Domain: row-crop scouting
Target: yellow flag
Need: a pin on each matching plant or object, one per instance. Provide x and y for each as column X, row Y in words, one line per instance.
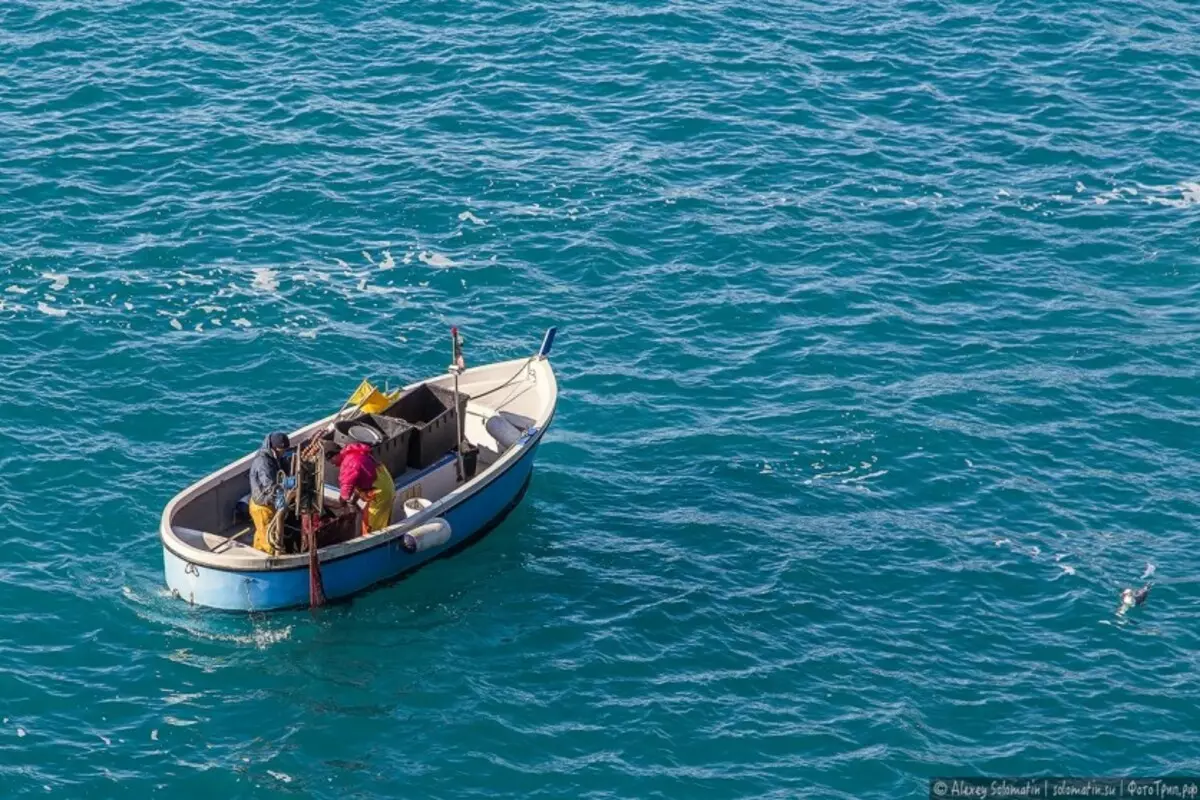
column 364, row 390
column 371, row 399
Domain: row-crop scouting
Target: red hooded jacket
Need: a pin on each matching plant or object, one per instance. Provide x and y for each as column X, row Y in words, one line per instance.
column 356, row 469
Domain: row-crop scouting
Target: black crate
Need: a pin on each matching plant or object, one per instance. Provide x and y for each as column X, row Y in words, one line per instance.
column 435, row 420
column 393, row 451
column 341, row 431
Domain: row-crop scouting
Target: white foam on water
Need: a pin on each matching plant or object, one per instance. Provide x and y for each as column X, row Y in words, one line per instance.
column 129, row 307
column 59, row 281
column 1148, row 573
column 387, row 262
column 1034, row 551
column 309, row 334
column 861, row 478
column 467, row 216
column 1166, row 201
column 1079, row 187
column 266, row 279
column 51, row 311
column 362, row 284
column 175, row 698
column 408, row 257
column 435, row 259
column 217, row 321
column 107, row 740
column 383, row 290
column 183, row 723
column 371, row 260
column 1067, row 569
column 154, row 733
column 1189, row 195
column 341, row 263
column 266, row 636
column 14, row 289
column 21, row 731
column 200, row 329
column 242, row 322
column 281, row 776
column 1062, row 198
column 177, row 325
column 834, row 473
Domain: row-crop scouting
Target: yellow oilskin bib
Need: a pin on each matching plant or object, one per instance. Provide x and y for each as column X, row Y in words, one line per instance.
column 379, row 507
column 262, row 516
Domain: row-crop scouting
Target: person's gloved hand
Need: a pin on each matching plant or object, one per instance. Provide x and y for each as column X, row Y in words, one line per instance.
column 289, row 484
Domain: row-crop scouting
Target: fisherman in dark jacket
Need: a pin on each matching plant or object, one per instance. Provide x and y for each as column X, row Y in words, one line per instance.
column 268, row 484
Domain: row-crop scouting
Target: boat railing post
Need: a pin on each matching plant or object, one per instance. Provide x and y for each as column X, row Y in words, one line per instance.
column 456, row 367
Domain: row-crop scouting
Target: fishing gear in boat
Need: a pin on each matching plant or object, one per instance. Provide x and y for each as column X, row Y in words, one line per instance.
column 310, row 490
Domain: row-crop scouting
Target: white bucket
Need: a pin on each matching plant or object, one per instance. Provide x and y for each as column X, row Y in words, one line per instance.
column 415, row 505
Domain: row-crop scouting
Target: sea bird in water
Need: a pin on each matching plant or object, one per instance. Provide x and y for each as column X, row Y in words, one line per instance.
column 1131, row 598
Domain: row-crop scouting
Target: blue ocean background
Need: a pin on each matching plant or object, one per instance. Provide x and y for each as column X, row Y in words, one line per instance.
column 878, row 338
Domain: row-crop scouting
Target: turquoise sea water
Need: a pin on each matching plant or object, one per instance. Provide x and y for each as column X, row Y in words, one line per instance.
column 878, row 338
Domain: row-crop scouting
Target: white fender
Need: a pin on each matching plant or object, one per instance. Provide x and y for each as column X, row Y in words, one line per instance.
column 432, row 534
column 504, row 432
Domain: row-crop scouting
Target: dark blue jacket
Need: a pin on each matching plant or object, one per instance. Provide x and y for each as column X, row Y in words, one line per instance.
column 264, row 475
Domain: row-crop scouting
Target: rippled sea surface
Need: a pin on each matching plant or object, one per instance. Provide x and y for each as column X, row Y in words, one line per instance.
column 879, row 329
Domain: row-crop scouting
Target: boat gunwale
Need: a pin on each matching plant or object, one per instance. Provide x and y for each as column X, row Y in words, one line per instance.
column 357, row 546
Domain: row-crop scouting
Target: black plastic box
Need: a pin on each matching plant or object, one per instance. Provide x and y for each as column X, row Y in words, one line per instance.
column 392, row 452
column 434, row 419
column 341, row 430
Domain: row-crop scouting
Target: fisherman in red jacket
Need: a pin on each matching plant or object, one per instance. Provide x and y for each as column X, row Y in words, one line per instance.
column 366, row 483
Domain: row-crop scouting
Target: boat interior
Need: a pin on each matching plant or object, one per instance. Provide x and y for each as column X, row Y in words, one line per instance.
column 415, row 437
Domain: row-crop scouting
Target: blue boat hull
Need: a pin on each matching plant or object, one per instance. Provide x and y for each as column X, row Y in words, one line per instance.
column 264, row 590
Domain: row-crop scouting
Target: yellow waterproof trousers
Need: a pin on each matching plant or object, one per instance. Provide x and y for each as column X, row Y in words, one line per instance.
column 379, row 502
column 262, row 516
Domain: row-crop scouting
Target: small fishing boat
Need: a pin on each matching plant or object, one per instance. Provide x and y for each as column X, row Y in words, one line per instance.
column 449, row 492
